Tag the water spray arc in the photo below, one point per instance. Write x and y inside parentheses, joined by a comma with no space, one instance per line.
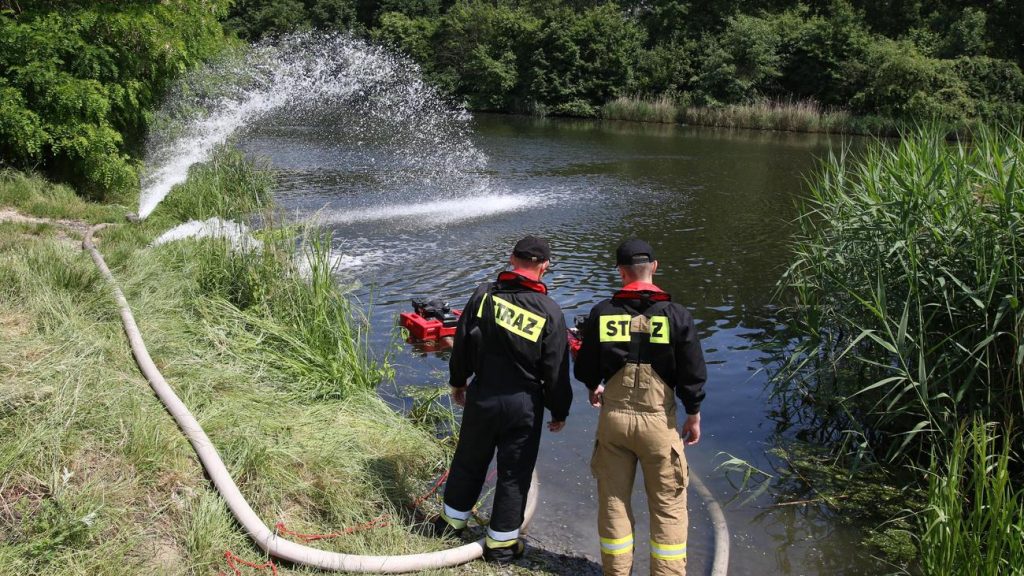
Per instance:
(404,131)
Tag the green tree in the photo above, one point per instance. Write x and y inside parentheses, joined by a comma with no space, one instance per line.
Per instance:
(253,19)
(896,80)
(78,79)
(582,59)
(479,48)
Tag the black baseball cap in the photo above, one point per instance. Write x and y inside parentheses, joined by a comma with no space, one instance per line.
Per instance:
(634,251)
(532,248)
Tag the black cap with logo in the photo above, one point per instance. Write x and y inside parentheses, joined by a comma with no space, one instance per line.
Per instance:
(634,251)
(532,248)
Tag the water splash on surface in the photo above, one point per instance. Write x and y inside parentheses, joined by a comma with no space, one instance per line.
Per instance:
(373,100)
(438,212)
(237,234)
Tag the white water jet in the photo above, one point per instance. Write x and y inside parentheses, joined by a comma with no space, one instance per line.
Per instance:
(313,79)
(436,212)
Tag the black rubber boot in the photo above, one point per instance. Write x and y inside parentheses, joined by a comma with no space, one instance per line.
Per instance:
(506,555)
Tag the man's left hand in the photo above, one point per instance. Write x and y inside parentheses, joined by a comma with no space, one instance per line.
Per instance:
(691,429)
(556,426)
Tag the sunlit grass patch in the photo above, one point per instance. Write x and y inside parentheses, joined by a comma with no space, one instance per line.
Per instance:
(792,116)
(35,195)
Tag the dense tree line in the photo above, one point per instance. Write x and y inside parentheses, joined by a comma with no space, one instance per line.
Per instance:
(79,78)
(908,59)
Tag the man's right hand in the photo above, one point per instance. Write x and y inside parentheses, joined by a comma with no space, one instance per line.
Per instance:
(597,396)
(459,396)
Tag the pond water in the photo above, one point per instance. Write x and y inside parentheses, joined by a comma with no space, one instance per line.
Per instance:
(717,205)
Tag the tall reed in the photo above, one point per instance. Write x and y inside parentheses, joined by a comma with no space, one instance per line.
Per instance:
(974,521)
(636,109)
(791,116)
(907,280)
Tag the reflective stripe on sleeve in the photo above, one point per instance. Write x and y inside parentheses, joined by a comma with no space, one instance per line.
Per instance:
(615,546)
(668,551)
(456,518)
(501,539)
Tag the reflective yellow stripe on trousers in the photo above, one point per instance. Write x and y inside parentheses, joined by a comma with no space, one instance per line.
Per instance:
(616,546)
(668,551)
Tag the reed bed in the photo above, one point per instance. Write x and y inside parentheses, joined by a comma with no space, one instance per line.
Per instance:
(782,115)
(907,287)
(792,116)
(907,277)
(662,109)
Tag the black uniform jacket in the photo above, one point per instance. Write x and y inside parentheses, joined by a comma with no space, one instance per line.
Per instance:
(512,337)
(672,347)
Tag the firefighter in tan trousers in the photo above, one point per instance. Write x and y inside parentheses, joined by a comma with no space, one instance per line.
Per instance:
(640,351)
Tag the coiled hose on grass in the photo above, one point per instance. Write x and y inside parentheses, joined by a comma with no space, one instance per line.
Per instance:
(299,554)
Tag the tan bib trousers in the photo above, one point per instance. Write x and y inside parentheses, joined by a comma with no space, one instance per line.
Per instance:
(638,423)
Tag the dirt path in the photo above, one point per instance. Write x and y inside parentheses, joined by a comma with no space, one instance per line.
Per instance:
(71,231)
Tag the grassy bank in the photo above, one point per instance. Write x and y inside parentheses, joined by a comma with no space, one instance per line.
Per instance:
(789,116)
(95,478)
(906,285)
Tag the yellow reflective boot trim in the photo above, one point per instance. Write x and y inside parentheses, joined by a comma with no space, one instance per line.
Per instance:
(668,551)
(455,518)
(614,327)
(501,539)
(492,543)
(616,546)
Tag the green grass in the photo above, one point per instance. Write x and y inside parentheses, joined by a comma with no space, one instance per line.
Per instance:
(34,195)
(96,478)
(907,277)
(791,116)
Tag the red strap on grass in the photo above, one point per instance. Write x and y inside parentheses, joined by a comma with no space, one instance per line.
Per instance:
(232,559)
(378,522)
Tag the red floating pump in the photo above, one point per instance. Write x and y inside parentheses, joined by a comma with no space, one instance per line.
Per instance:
(431,320)
(574,342)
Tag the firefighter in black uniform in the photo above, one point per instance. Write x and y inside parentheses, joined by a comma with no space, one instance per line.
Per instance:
(640,351)
(511,340)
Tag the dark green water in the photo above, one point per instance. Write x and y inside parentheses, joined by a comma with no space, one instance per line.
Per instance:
(716,204)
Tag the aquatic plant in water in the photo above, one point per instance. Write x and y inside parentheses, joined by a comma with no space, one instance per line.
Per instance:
(907,284)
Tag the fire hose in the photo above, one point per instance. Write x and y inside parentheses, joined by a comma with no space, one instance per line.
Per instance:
(271,542)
